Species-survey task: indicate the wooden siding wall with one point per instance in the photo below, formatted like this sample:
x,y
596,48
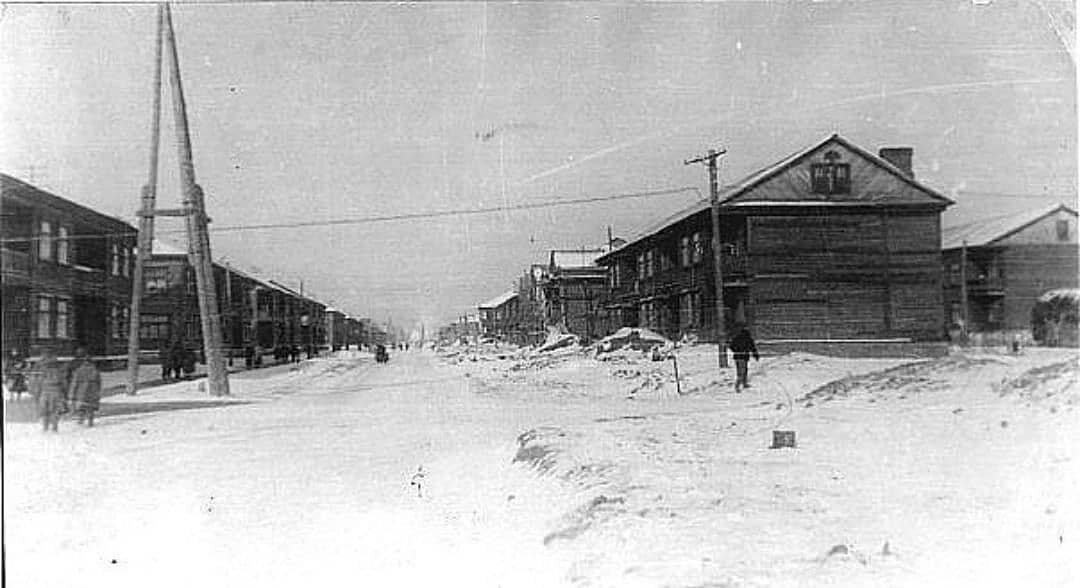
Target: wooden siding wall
x,y
845,276
1029,271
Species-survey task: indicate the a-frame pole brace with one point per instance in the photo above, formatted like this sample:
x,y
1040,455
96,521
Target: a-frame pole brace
x,y
198,236
146,219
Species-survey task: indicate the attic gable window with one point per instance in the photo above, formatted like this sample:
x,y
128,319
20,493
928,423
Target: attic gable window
x,y
1063,230
831,177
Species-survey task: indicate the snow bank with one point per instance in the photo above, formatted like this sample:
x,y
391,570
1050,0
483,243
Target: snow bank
x,y
634,338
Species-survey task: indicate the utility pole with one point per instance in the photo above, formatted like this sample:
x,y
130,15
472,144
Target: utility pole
x,y
718,259
146,219
963,292
198,237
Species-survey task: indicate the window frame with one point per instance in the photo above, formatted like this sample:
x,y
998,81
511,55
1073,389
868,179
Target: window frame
x,y
43,311
830,178
46,241
61,320
63,245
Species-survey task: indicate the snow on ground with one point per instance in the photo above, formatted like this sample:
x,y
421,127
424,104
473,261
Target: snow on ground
x,y
947,472
563,469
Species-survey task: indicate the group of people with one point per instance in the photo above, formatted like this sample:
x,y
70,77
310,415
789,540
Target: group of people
x,y
55,387
177,361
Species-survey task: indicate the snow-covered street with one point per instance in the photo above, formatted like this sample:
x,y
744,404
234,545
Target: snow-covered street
x,y
563,469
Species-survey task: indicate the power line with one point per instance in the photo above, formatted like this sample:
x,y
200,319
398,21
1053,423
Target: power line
x,y
394,217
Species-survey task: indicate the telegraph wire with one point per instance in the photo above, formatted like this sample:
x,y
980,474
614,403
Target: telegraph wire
x,y
389,217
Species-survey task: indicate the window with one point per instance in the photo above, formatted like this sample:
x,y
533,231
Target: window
x,y
613,274
61,319
684,252
1063,230
687,314
154,326
650,262
63,246
115,260
45,241
157,279
665,258
698,251
125,262
119,322
640,265
830,178
44,317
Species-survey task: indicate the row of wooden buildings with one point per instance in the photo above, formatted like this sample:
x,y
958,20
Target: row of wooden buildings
x,y
833,243
67,282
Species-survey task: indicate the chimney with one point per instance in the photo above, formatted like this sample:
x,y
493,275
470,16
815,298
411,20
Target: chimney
x,y
900,157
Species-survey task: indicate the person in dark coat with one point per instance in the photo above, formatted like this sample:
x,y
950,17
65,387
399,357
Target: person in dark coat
x,y
165,357
188,363
14,378
742,347
84,391
176,358
48,385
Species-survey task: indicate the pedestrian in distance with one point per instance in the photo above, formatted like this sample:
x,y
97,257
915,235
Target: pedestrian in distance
x,y
165,358
742,347
176,358
188,363
48,385
14,373
84,391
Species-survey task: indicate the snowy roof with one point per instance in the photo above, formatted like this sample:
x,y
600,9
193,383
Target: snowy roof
x,y
499,300
732,191
575,258
1072,294
163,247
985,231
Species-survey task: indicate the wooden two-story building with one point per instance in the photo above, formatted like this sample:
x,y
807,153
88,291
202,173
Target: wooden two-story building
x,y
832,243
257,314
499,317
573,288
66,274
1011,260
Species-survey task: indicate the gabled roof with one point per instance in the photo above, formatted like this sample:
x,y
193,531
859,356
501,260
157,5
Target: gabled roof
x,y
988,230
13,187
730,194
499,300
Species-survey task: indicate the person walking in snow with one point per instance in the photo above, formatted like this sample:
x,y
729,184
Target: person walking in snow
x,y
84,391
742,347
48,386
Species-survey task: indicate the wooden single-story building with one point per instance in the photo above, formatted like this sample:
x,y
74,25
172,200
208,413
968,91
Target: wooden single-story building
x,y
1011,260
832,243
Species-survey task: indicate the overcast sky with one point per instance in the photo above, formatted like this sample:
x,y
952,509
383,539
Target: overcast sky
x,y
303,112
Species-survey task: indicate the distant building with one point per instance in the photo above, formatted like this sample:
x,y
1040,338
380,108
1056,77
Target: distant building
x,y
832,243
66,273
257,313
531,305
499,316
573,290
1011,261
